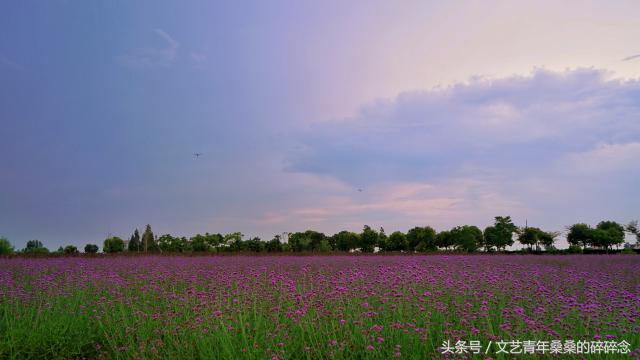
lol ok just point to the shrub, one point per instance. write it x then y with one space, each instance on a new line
91 248
5 246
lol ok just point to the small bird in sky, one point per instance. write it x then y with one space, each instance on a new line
359 190
197 155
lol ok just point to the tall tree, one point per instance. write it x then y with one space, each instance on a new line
168 243
533 236
113 245
5 246
383 240
529 236
134 242
608 234
500 234
580 235
274 245
368 239
445 240
421 239
148 241
466 238
345 240
397 241
35 247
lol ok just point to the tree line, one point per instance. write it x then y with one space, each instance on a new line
466 238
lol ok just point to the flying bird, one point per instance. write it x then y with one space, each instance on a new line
359 190
197 155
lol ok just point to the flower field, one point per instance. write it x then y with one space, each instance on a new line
320 307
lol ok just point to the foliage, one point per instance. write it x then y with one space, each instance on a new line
134 242
168 243
70 249
325 307
445 240
148 241
368 239
345 240
580 235
466 238
533 236
397 241
500 234
421 239
113 244
35 247
5 246
91 248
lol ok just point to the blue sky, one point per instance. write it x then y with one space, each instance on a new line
443 113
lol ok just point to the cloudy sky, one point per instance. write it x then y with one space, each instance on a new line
441 112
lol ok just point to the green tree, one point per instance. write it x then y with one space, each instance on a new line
274 245
168 243
5 246
134 242
529 236
383 240
35 247
547 238
533 236
70 249
466 238
368 239
214 240
500 234
148 241
345 240
445 240
234 241
421 239
580 235
397 241
608 234
91 248
254 245
113 245
199 243
307 241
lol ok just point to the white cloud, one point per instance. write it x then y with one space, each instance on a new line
530 146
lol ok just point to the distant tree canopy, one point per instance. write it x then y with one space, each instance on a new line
465 238
113 245
500 234
605 235
533 236
345 240
134 242
5 246
397 241
70 249
580 235
421 239
148 241
35 247
91 248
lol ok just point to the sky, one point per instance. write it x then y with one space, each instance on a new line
323 115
